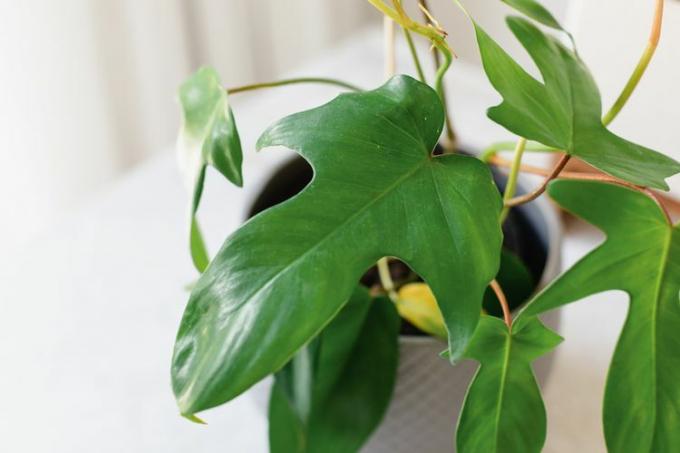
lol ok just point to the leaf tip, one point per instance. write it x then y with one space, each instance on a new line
194 419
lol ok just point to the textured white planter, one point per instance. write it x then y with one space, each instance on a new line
429 393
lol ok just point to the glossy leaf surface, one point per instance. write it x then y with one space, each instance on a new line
208 137
503 409
377 191
640 256
564 111
334 393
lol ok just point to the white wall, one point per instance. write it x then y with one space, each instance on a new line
612 35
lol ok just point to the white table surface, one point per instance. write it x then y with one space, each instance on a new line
90 309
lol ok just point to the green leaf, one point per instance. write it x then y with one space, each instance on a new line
208 137
536 11
377 191
503 409
640 256
334 393
517 283
565 110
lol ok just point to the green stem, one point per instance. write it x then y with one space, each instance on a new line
414 54
450 134
443 68
511 186
278 83
398 15
494 148
386 279
641 67
630 86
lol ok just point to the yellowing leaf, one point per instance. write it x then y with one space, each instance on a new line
418 306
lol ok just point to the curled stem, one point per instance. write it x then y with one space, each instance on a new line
434 33
299 80
450 133
531 196
661 200
507 317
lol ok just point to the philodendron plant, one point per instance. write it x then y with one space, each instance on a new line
282 296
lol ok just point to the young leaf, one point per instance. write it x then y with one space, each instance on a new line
640 256
377 191
208 137
503 409
565 110
334 393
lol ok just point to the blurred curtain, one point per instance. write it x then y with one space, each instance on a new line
88 86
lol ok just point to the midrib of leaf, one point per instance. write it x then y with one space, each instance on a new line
435 182
223 108
406 133
290 265
655 314
572 111
501 392
201 158
329 235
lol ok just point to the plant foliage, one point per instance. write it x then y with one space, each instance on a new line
208 137
640 256
289 270
281 296
335 391
564 111
503 410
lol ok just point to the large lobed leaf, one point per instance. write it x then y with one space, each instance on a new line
503 409
335 391
377 191
640 256
564 111
208 137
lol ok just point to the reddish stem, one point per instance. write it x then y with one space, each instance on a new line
531 196
507 317
658 198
